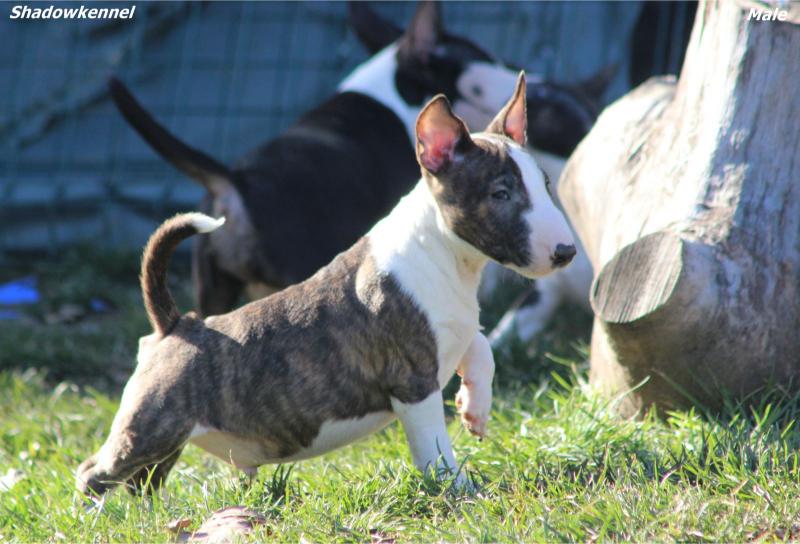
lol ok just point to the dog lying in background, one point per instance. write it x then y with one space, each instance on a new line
559 116
373 336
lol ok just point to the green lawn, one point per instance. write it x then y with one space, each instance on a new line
557 465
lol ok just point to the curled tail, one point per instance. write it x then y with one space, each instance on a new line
161 309
213 175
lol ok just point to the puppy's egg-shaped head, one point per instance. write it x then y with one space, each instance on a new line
490 191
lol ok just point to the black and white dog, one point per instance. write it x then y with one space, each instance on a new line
295 202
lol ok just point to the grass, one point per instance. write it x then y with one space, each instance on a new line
558 465
100 348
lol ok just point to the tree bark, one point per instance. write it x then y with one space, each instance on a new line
686 195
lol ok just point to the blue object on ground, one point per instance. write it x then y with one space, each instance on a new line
20 291
98 305
10 314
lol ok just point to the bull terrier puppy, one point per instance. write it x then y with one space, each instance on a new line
373 336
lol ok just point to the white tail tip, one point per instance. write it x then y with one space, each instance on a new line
204 223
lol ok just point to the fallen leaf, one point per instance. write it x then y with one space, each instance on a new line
223 526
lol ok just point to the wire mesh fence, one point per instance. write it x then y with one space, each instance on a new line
224 77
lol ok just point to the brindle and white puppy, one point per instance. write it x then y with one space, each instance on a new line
371 337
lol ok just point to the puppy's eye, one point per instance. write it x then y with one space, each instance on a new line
502 194
477 91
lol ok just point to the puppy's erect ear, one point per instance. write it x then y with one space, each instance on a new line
512 121
423 33
441 136
373 31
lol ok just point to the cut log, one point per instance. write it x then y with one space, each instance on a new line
686 196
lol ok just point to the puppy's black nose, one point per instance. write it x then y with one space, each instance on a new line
563 255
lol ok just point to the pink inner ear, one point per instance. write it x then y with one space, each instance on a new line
515 124
438 150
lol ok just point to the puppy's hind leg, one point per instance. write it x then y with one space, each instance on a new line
145 431
150 478
123 456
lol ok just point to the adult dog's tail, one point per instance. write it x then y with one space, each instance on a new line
161 309
213 175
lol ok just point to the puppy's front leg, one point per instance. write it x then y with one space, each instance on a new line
426 432
474 399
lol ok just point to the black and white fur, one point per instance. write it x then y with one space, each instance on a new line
295 202
558 117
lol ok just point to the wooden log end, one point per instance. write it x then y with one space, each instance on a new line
639 280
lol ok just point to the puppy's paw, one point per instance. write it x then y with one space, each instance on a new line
90 481
84 475
84 479
474 405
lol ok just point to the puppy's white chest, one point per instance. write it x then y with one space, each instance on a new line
411 246
452 340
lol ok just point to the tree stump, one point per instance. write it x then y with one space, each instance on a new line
686 195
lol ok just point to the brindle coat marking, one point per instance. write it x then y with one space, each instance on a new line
336 346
